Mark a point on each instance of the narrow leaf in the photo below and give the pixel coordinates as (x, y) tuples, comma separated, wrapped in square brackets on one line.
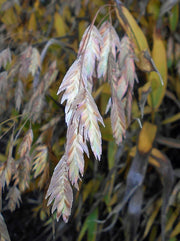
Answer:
[(159, 56)]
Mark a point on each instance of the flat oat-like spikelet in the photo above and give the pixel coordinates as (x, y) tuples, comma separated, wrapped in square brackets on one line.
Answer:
[(118, 120), (14, 198), (121, 76), (26, 143), (71, 85), (111, 43), (35, 61), (126, 62), (60, 191), (88, 115), (40, 160), (89, 49), (19, 94), (25, 61), (5, 57), (75, 148)]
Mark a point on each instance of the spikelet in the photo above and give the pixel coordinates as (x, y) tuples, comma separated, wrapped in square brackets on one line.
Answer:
[(40, 160), (5, 57), (60, 191), (118, 120), (22, 175), (89, 49), (111, 43), (3, 81), (29, 62), (25, 61), (75, 148), (88, 115), (121, 76), (35, 105), (26, 143), (126, 61), (71, 85), (18, 94), (35, 62), (14, 198)]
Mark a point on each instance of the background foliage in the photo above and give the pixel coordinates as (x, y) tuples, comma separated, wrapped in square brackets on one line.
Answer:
[(39, 41)]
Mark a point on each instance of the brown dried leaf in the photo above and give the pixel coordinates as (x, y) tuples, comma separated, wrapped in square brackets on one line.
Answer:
[(60, 191), (134, 182), (164, 167)]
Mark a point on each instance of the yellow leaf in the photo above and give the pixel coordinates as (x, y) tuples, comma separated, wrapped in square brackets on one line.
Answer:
[(175, 231), (67, 14), (59, 24), (1, 2), (152, 217), (10, 18), (160, 60), (36, 5), (136, 35), (172, 219), (172, 119), (146, 138), (154, 162), (32, 23), (178, 87), (153, 8), (156, 158)]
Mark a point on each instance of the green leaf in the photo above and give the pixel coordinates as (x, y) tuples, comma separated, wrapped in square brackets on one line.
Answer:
[(90, 226), (112, 148), (174, 17), (160, 60)]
